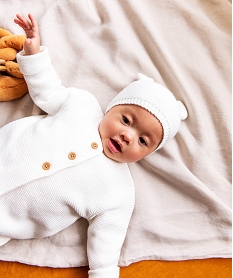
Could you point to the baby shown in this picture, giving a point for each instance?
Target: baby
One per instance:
(72, 163)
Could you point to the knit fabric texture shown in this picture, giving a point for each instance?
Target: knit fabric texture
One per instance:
(38, 202)
(158, 100)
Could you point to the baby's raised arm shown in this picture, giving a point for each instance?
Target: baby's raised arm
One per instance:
(32, 43)
(44, 86)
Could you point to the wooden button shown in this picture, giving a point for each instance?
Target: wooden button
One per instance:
(94, 145)
(72, 155)
(46, 166)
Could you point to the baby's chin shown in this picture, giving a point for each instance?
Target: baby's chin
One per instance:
(119, 159)
(113, 157)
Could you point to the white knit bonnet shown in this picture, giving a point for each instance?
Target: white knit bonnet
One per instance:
(158, 100)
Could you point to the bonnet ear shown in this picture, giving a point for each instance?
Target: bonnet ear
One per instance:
(183, 110)
(181, 106)
(141, 76)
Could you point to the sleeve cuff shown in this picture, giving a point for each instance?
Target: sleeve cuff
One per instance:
(33, 64)
(108, 272)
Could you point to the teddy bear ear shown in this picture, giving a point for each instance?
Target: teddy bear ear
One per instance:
(141, 76)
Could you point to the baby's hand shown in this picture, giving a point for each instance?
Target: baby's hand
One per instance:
(32, 42)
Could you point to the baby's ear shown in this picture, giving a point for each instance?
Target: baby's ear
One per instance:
(141, 76)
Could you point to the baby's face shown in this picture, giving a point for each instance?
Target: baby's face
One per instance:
(129, 133)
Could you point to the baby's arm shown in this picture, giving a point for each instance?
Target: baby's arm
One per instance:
(106, 235)
(32, 42)
(44, 86)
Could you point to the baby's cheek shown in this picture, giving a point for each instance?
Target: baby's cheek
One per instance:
(136, 155)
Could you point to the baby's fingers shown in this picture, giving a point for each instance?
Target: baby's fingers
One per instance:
(22, 22)
(33, 21)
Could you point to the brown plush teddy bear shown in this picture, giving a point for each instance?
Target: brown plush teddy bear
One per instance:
(12, 83)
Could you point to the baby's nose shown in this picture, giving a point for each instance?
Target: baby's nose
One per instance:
(128, 136)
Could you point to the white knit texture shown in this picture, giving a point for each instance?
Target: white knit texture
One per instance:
(38, 203)
(158, 100)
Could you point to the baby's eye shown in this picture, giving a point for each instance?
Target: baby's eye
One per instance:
(125, 120)
(142, 141)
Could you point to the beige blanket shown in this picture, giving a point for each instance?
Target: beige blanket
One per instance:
(183, 191)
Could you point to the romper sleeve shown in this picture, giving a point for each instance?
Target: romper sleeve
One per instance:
(44, 86)
(106, 234)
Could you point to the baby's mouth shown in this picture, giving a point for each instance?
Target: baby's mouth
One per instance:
(114, 146)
